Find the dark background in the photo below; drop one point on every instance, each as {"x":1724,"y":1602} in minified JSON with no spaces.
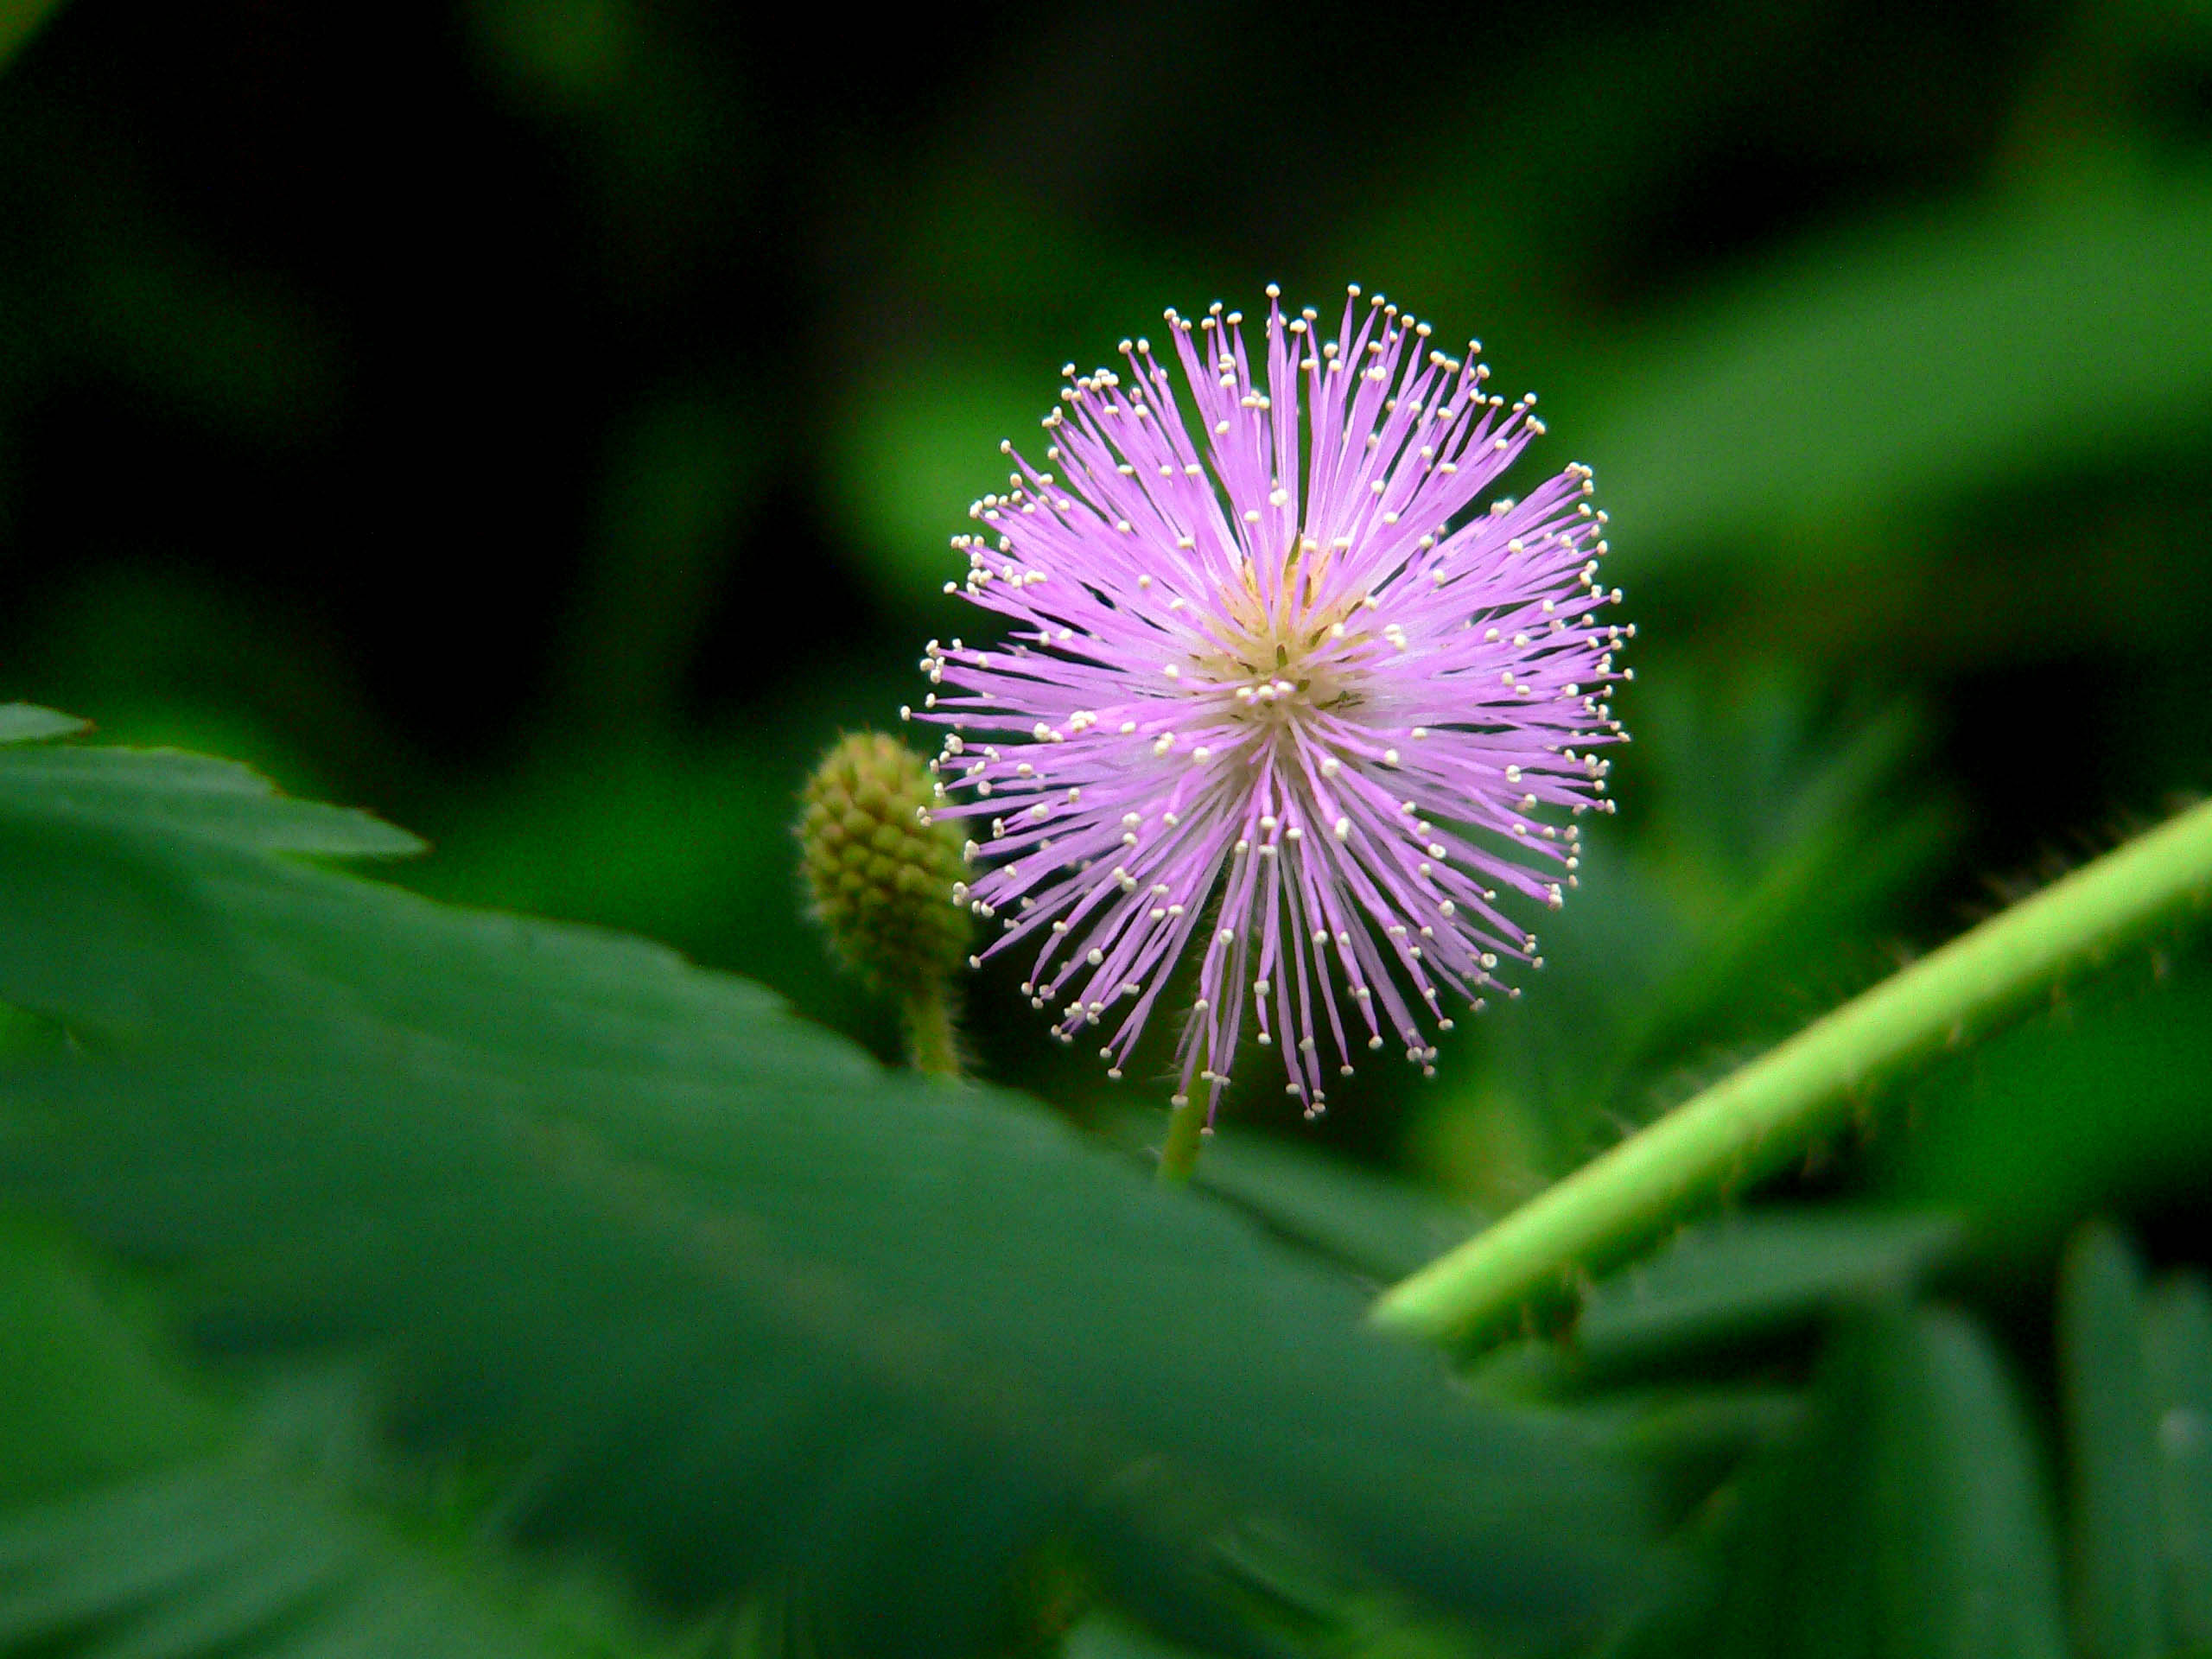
{"x":541,"y":421}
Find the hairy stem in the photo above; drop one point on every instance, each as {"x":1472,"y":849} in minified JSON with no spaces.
{"x":1767,"y":1115}
{"x":932,"y":1042}
{"x":1186,"y":1130}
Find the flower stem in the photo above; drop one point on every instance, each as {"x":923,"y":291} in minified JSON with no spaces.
{"x":1186,"y":1130}
{"x":1767,"y":1114}
{"x":931,"y":1041}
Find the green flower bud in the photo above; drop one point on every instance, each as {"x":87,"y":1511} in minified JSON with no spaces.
{"x":881,"y":875}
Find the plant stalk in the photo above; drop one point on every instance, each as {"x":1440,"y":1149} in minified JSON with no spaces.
{"x":1186,"y":1133}
{"x":1523,"y":1268}
{"x":932,"y":1042}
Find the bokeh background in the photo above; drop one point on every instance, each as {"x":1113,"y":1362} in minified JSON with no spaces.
{"x":541,"y":421}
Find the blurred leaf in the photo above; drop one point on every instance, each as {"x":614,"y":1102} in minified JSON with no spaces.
{"x":103,"y":283}
{"x":237,"y":1561}
{"x":1907,"y":1519}
{"x":690,"y":843}
{"x":1861,"y":378}
{"x":19,"y":20}
{"x":2107,"y":1396}
{"x":917,"y":439}
{"x":2136,"y":1369}
{"x":1692,"y":1440}
{"x":2099,"y":1100}
{"x":1379,"y":1228}
{"x":86,"y":1401}
{"x":574,"y":53}
{"x":194,"y":794}
{"x":687,"y":841}
{"x":174,"y":656}
{"x":246,"y":1556}
{"x":1773,"y":841}
{"x":22,"y":723}
{"x":739,"y":1301}
{"x":1751,"y":1274}
{"x":141,"y":1516}
{"x":2177,"y":1338}
{"x":679,"y":480}
{"x":1105,"y":1637}
{"x":913,"y":456}
{"x":217,"y":344}
{"x":657,"y":122}
{"x":1314,"y":1612}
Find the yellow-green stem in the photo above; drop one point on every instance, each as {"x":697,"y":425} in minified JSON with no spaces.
{"x":1186,"y":1133}
{"x":1768,"y":1114}
{"x":932,"y":1042}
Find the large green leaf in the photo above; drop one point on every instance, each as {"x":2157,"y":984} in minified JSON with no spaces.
{"x":1376,"y":1227}
{"x":1907,"y":1519}
{"x":1746,"y":1276}
{"x":2106,"y":1385}
{"x":239,"y":1559}
{"x":88,"y":1402}
{"x":143,"y":1517}
{"x":2136,"y":1368}
{"x":740,"y":1302}
{"x":2177,"y":1336}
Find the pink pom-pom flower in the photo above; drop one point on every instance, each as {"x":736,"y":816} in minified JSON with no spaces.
{"x":1281,"y":687}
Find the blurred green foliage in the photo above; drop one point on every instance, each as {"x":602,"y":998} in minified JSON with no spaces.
{"x":704,"y":1277}
{"x":541,"y":421}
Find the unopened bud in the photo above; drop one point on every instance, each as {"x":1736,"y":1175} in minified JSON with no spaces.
{"x":882,"y":875}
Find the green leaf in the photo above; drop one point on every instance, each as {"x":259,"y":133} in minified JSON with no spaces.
{"x":2136,"y":1365}
{"x":141,"y":1514}
{"x":1749,"y":1275}
{"x":1103,"y":1637}
{"x":2104,"y":1380}
{"x":2177,"y":1340}
{"x":1967,"y":1559}
{"x":740,"y":1302}
{"x":87,"y":1402}
{"x":249,"y":1556}
{"x":1379,"y":1228}
{"x":1906,"y":1519}
{"x":1692,"y":1440}
{"x":24,"y":722}
{"x":190,"y":794}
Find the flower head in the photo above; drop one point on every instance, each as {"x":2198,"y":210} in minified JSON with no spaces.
{"x":1279,"y":690}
